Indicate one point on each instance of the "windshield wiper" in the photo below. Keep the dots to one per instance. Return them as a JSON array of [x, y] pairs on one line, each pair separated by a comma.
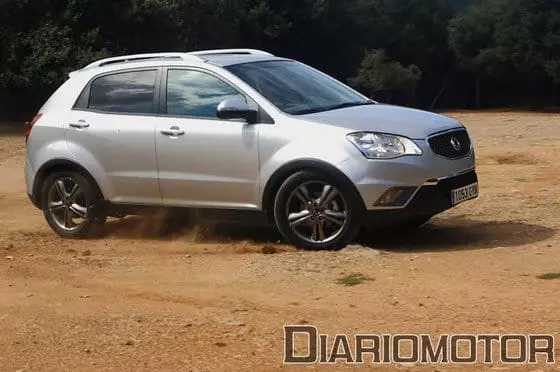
[[333, 107], [350, 104]]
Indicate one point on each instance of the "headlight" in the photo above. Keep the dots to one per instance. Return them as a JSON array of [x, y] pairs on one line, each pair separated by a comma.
[[383, 146]]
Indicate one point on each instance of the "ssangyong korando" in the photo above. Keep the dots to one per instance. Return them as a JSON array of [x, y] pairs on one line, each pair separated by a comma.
[[240, 130]]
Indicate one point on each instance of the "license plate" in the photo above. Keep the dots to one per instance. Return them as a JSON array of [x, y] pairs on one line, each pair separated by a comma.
[[464, 193]]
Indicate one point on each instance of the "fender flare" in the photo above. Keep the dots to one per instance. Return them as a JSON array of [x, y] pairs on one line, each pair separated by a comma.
[[281, 174], [58, 165]]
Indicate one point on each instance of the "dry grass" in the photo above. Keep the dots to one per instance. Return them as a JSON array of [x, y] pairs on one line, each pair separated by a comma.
[[514, 159]]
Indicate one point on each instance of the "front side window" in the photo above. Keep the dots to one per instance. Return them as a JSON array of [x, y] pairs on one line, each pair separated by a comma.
[[295, 88], [126, 92], [195, 93]]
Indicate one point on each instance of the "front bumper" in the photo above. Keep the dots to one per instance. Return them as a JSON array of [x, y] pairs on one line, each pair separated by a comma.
[[373, 178], [431, 199]]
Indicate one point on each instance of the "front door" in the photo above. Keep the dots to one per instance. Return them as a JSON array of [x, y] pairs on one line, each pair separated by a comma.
[[204, 161]]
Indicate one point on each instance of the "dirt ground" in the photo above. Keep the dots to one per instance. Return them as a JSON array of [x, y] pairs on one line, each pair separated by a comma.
[[216, 299]]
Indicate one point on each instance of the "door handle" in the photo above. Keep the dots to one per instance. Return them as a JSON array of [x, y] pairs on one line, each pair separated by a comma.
[[81, 124], [173, 132]]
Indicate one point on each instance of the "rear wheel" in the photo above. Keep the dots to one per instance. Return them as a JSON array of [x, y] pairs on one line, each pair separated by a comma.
[[318, 212], [70, 203]]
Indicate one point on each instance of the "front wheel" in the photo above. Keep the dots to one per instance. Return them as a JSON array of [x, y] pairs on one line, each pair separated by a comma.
[[70, 204], [318, 212]]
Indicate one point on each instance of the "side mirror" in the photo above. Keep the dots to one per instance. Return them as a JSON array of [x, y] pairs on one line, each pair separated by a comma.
[[236, 108]]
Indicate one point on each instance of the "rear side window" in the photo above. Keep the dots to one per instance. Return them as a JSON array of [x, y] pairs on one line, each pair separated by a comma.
[[128, 92]]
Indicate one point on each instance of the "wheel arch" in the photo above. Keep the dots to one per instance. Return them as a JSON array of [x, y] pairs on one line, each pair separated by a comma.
[[59, 165], [284, 172]]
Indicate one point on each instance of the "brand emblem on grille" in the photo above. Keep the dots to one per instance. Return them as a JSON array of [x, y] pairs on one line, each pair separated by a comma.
[[456, 144]]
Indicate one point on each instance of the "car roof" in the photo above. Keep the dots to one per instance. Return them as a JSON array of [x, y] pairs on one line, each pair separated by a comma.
[[219, 57], [230, 60]]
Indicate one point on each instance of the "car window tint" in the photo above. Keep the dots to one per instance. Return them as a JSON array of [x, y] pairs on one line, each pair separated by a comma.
[[131, 92], [195, 93], [295, 88]]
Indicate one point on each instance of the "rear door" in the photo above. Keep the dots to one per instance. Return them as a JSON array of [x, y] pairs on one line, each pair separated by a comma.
[[110, 131], [204, 161]]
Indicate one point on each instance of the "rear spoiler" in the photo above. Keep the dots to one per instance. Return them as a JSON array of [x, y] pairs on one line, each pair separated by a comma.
[[72, 73]]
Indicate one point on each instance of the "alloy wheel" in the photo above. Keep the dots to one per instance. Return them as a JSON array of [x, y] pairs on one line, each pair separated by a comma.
[[67, 204], [317, 212]]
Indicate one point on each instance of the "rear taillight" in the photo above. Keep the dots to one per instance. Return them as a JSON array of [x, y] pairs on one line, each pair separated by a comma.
[[30, 125]]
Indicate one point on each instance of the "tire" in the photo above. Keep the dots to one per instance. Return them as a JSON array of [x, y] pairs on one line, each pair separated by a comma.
[[300, 223], [78, 214]]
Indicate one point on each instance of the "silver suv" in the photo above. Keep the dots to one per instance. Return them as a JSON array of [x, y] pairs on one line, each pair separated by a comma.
[[240, 129]]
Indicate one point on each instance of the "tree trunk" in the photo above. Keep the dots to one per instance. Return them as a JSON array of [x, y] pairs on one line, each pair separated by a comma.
[[477, 92], [442, 90]]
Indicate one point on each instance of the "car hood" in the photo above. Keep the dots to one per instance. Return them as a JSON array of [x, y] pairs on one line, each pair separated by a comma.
[[412, 123]]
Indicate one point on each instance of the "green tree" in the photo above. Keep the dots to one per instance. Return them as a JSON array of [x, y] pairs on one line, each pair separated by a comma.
[[40, 50], [503, 40], [413, 32], [43, 40], [378, 73], [514, 45]]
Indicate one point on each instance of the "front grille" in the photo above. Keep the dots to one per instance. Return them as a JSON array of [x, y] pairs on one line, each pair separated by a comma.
[[451, 145]]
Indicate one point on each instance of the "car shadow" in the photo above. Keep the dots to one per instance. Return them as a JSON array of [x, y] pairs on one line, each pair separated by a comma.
[[455, 234], [442, 234]]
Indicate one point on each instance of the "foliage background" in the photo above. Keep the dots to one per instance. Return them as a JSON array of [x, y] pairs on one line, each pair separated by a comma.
[[425, 53]]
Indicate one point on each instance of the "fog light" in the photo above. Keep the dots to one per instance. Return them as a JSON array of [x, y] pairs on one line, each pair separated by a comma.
[[396, 197]]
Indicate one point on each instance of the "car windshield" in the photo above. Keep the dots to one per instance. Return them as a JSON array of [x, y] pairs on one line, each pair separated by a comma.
[[295, 88]]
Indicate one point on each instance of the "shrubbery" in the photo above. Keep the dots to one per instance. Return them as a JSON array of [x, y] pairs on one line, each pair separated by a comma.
[[405, 51]]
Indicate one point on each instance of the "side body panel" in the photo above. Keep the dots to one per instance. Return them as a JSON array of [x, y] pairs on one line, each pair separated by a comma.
[[214, 164], [119, 151], [46, 143]]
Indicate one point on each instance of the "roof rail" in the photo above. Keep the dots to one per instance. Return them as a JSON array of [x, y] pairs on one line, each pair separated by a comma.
[[230, 51], [143, 57], [192, 56]]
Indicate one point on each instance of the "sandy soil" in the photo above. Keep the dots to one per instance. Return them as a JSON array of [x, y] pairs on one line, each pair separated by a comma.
[[216, 299]]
